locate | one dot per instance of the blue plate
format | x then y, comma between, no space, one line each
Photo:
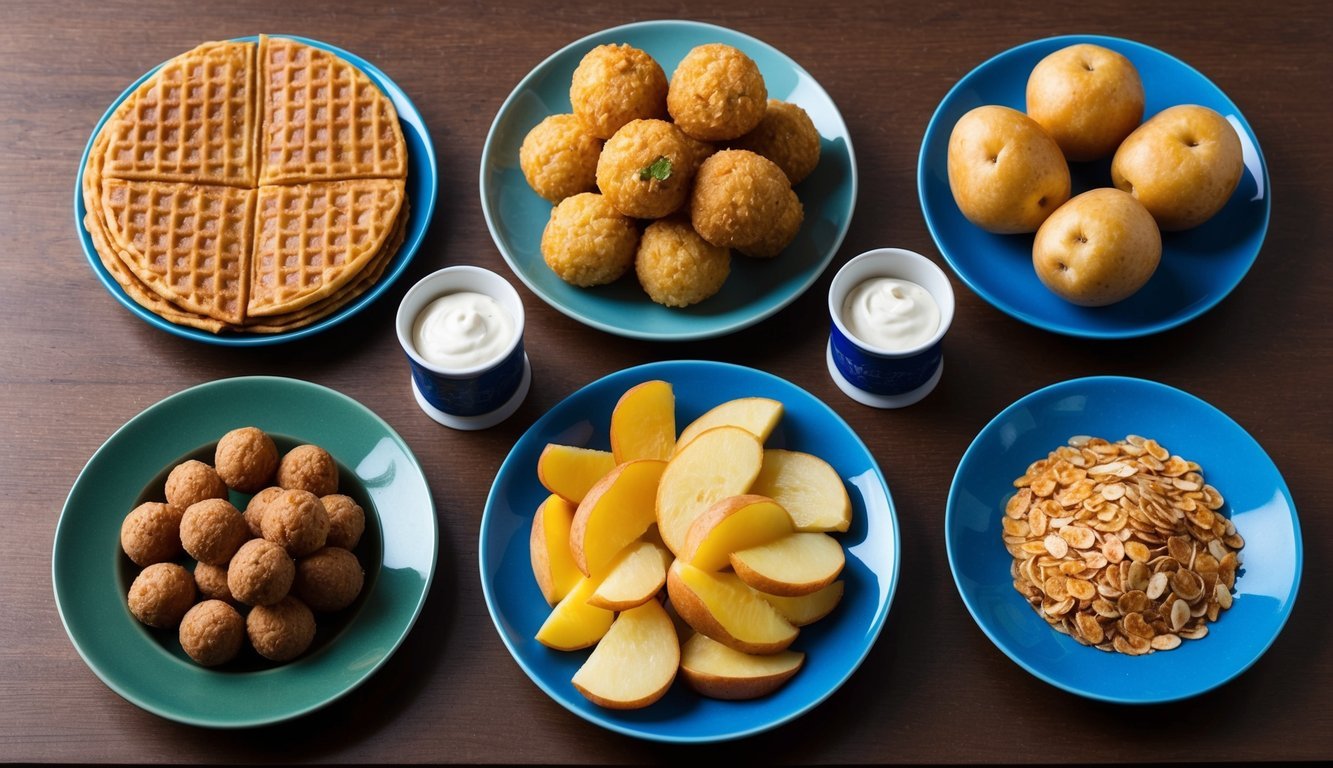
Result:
421,191
1199,267
1257,500
756,289
834,646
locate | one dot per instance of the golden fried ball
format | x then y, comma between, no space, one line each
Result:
297,521
309,468
676,266
559,158
161,594
780,235
212,632
246,459
328,580
614,84
347,520
588,242
192,481
788,137
260,573
212,530
254,509
282,631
646,168
717,93
738,197
211,580
150,533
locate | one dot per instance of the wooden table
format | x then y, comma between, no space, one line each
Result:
77,365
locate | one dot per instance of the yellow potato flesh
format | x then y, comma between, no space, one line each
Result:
552,563
807,609
736,609
643,423
721,462
807,487
570,472
614,514
793,565
635,577
720,672
756,415
573,623
635,663
734,524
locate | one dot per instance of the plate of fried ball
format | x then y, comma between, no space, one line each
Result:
668,180
244,552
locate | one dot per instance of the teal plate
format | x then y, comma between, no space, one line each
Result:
756,289
146,666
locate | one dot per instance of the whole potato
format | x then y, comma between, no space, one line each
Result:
1006,173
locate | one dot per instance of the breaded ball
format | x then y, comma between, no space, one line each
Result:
347,521
699,152
717,93
260,573
676,266
614,84
738,197
646,168
211,581
309,468
151,533
254,509
787,136
246,459
559,158
161,594
212,632
193,481
328,580
296,521
588,242
780,235
282,631
212,530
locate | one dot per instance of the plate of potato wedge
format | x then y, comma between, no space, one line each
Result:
747,586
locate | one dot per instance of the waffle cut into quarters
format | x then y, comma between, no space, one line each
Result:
248,187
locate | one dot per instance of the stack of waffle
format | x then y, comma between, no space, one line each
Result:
248,187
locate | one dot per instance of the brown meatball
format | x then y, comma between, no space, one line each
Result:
646,168
246,459
614,84
212,530
788,137
588,242
212,582
161,594
717,93
261,573
309,468
194,481
151,533
329,580
347,520
282,631
559,158
738,198
254,510
297,521
678,268
212,632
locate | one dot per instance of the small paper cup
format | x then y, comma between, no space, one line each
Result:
480,396
887,378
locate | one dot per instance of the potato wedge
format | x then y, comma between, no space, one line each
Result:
570,472
548,546
643,423
616,512
635,663
573,623
721,462
722,607
732,524
807,487
792,566
756,415
807,609
636,576
719,672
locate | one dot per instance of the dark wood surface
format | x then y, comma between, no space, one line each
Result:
77,365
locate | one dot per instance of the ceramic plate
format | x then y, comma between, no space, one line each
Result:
147,666
756,289
1199,267
1257,500
421,191
834,646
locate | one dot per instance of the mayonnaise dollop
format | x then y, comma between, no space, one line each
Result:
462,330
890,314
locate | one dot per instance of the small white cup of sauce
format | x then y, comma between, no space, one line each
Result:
890,309
462,331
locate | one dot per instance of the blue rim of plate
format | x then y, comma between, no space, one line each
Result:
1199,267
146,667
835,646
622,308
422,190
1257,500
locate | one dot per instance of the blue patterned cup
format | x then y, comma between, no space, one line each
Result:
877,376
477,396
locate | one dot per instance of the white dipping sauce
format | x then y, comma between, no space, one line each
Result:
462,330
890,314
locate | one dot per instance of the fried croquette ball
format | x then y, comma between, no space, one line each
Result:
328,580
246,459
297,521
161,594
151,533
646,168
309,468
676,266
192,481
588,242
260,573
738,197
212,530
780,235
212,632
787,136
717,93
559,158
347,520
254,509
211,581
614,84
699,152
282,631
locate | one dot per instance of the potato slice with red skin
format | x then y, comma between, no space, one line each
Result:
570,472
636,576
719,672
573,623
548,546
792,566
808,487
721,462
615,513
643,423
635,663
756,415
722,607
732,524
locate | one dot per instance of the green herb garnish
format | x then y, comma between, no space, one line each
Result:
659,169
